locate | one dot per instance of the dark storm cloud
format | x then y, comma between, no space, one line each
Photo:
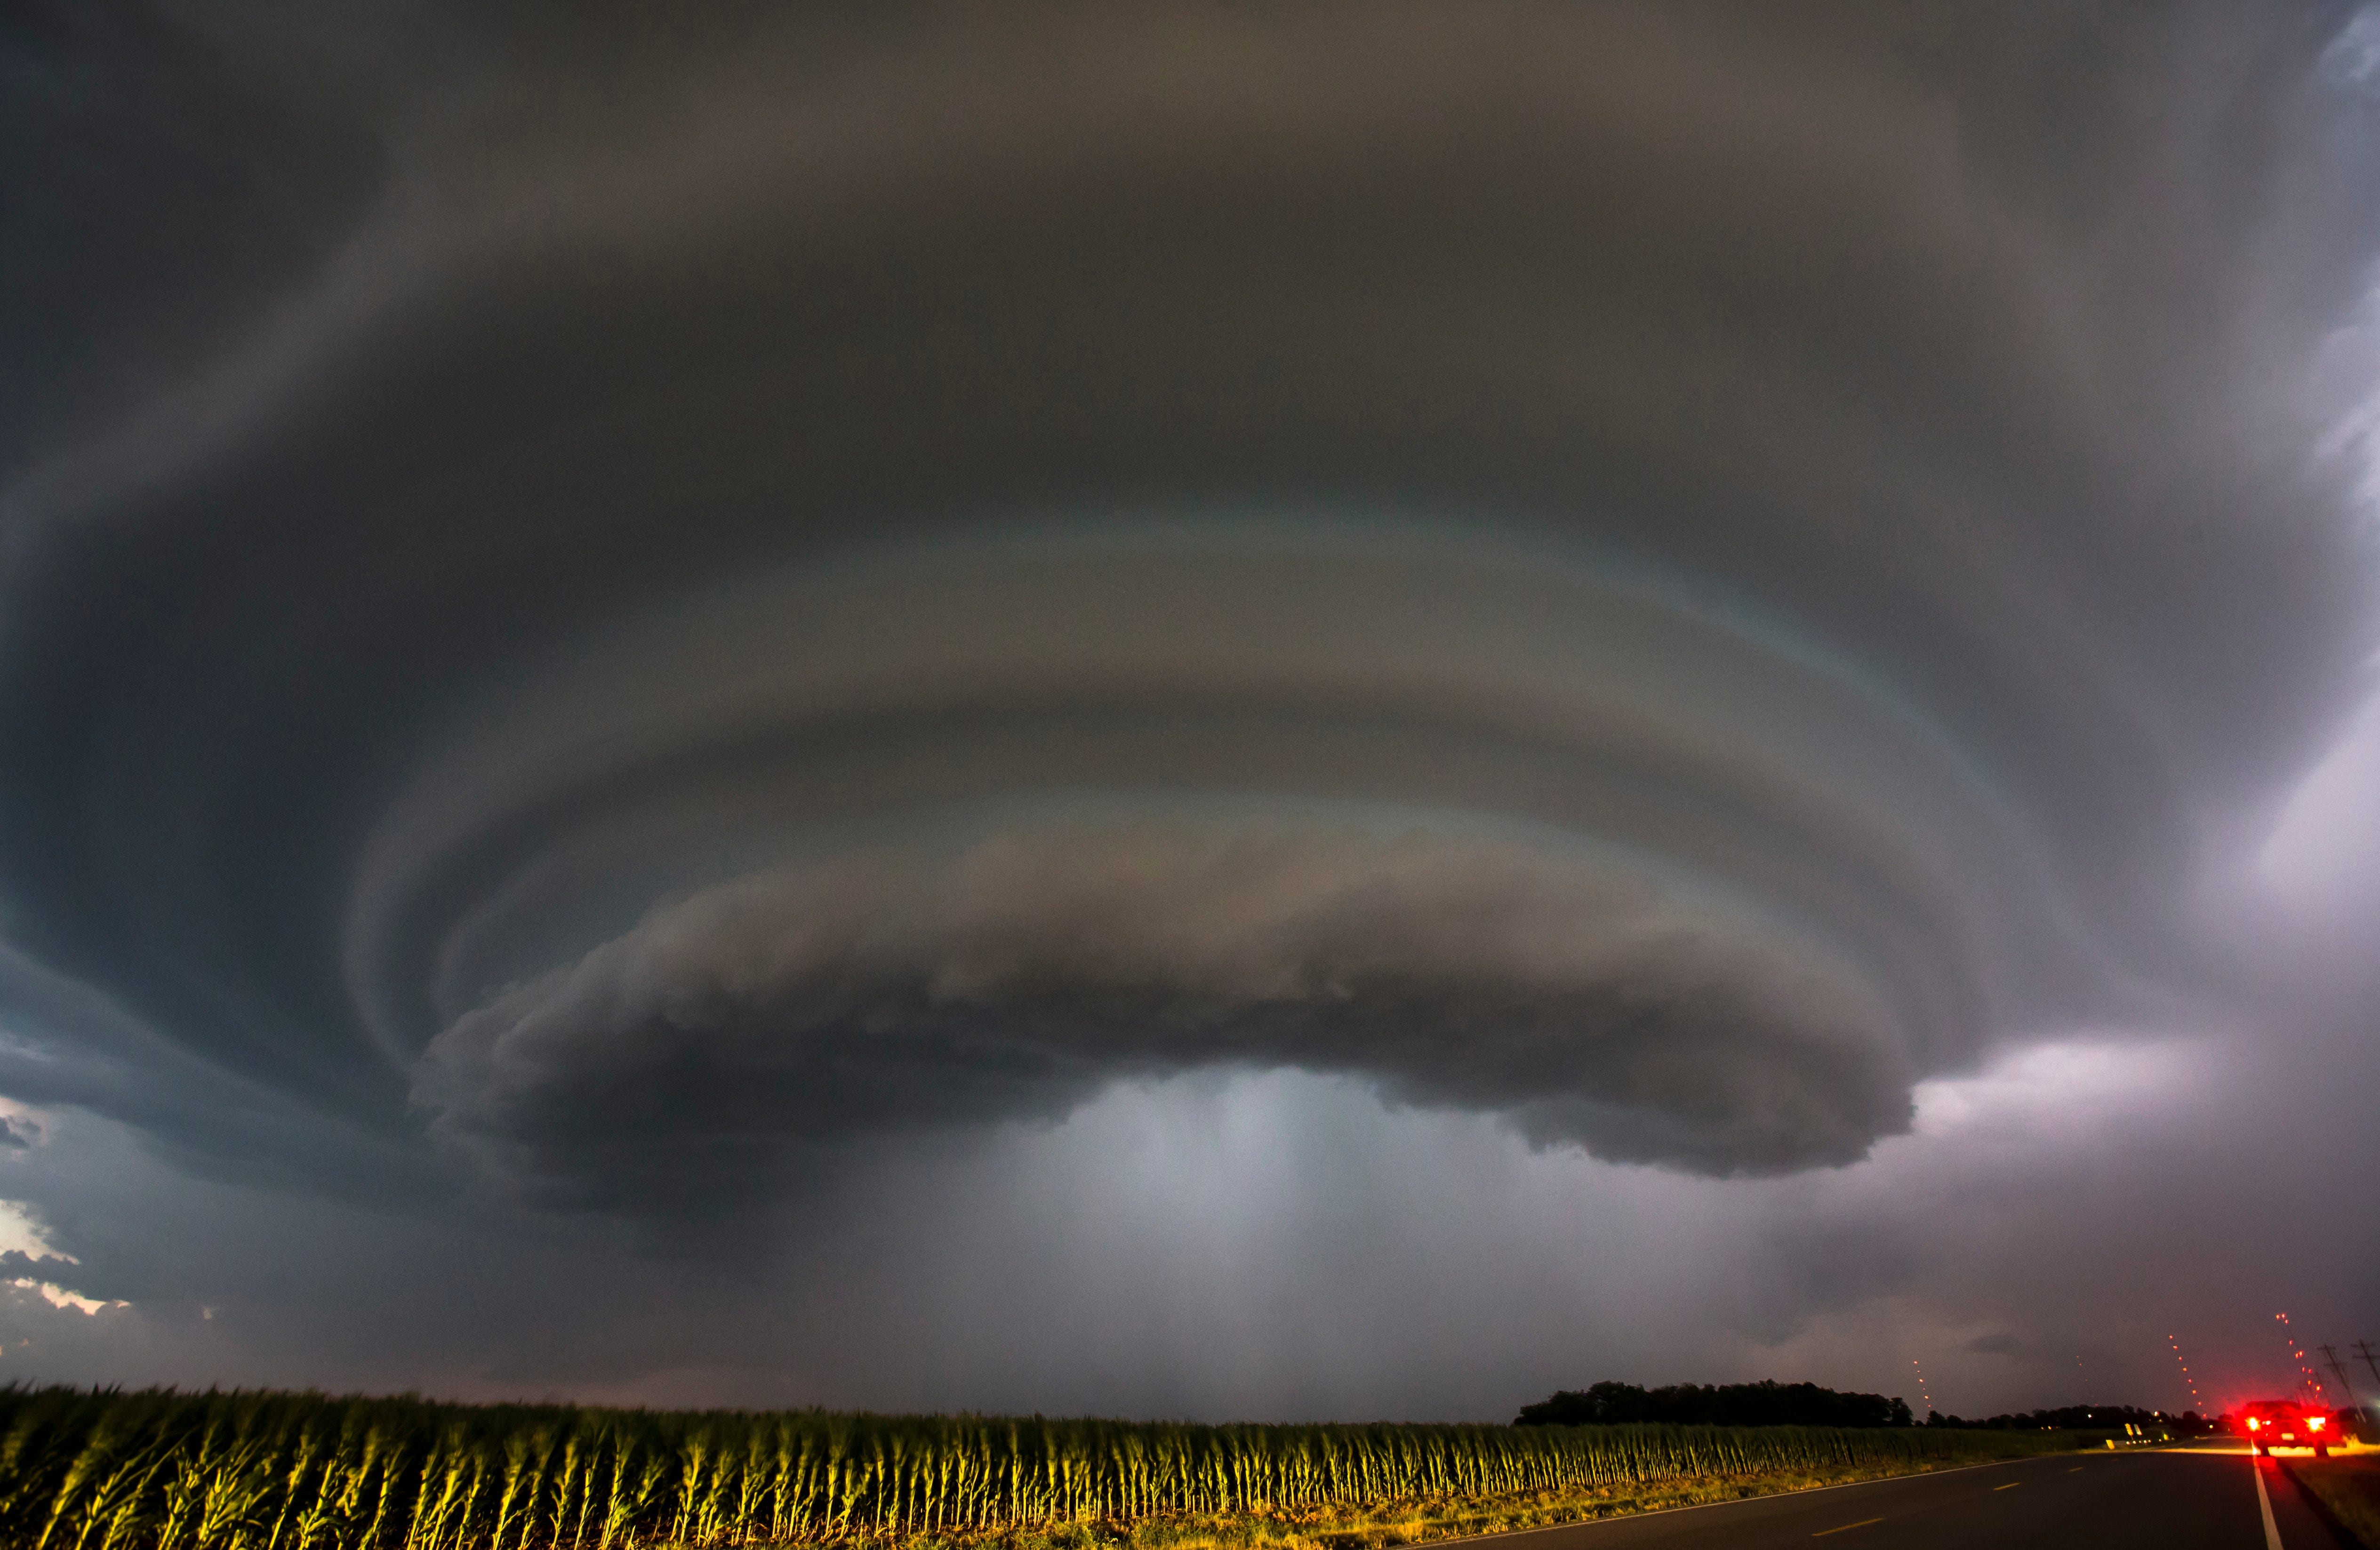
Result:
1025,974
164,186
1837,506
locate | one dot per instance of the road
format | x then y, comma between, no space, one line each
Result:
2168,1500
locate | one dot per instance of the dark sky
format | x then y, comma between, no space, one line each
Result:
1232,711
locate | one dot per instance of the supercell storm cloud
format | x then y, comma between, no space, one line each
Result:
713,590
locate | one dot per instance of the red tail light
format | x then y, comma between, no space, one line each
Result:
2253,1423
2313,1423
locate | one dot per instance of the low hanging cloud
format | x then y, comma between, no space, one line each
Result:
1015,978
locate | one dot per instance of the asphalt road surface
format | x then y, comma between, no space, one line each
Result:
2106,1501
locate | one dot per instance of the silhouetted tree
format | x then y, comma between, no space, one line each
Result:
1767,1403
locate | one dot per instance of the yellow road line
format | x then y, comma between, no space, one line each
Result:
1861,1524
2009,1486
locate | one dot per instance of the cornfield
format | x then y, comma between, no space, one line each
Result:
164,1470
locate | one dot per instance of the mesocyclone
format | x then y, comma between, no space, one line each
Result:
1618,575
973,827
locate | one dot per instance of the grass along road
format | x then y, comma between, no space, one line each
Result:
2348,1485
1423,1519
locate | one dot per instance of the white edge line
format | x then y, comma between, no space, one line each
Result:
1739,1501
2264,1504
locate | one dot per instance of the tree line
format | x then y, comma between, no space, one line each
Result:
2086,1418
1767,1403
